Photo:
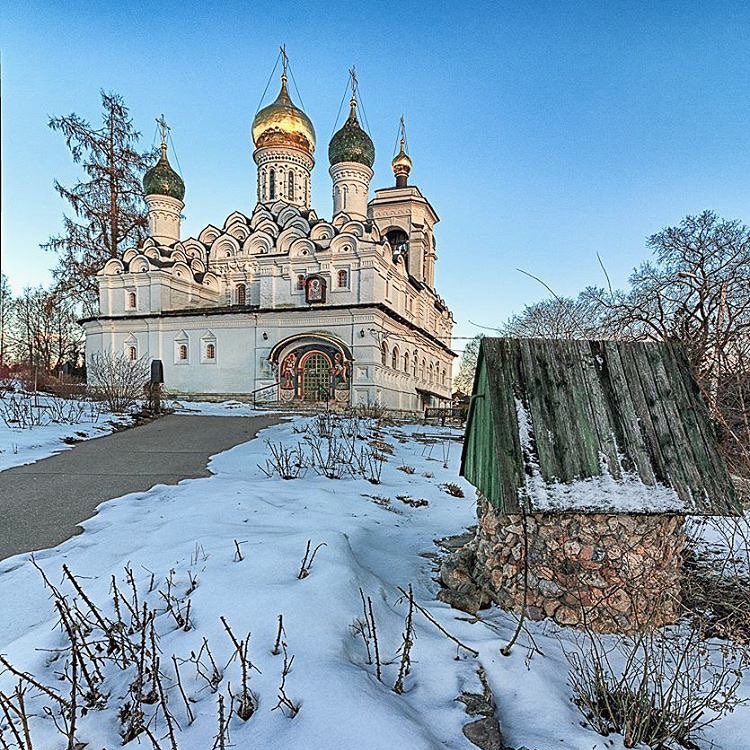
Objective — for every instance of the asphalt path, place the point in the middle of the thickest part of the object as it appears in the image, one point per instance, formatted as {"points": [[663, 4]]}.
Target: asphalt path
{"points": [[41, 504]]}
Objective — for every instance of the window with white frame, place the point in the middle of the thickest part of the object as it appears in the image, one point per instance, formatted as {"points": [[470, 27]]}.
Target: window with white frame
{"points": [[208, 348], [132, 300]]}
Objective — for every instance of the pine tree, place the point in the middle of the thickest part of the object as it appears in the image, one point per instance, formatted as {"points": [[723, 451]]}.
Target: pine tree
{"points": [[109, 212]]}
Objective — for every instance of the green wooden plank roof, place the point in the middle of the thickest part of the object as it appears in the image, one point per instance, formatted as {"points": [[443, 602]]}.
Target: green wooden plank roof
{"points": [[592, 426]]}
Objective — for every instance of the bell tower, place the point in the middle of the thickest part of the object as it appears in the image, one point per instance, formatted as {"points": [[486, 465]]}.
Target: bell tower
{"points": [[406, 217]]}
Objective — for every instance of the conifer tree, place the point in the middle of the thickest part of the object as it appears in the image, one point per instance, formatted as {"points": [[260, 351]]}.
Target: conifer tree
{"points": [[108, 209]]}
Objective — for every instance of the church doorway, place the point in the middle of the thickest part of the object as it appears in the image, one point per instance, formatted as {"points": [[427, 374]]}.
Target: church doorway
{"points": [[316, 376]]}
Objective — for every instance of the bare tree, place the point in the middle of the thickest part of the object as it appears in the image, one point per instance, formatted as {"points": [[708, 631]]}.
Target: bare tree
{"points": [[42, 330], [6, 299], [464, 381], [108, 206]]}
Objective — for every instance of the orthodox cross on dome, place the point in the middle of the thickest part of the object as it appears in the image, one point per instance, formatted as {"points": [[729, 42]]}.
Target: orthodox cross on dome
{"points": [[402, 135], [402, 163], [354, 84], [164, 130], [284, 61]]}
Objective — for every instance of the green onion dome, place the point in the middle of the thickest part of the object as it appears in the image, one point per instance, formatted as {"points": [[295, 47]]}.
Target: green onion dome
{"points": [[161, 179], [351, 143]]}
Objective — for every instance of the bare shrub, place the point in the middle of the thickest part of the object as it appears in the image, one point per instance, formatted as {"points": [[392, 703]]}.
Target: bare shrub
{"points": [[370, 410], [287, 462], [658, 688], [116, 380], [369, 464], [331, 455], [406, 469], [716, 577]]}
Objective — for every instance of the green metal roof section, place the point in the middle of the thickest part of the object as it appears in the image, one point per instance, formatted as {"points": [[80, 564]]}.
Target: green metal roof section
{"points": [[592, 426], [351, 143], [161, 179]]}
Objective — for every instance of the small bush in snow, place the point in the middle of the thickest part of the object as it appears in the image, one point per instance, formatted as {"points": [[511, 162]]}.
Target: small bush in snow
{"points": [[452, 489], [288, 462], [116, 380], [406, 469], [658, 688]]}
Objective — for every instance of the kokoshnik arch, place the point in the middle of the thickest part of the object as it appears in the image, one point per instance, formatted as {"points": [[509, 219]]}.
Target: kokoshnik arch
{"points": [[342, 310]]}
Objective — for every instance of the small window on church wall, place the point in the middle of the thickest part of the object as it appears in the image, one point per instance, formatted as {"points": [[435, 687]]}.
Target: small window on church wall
{"points": [[343, 279], [132, 300], [394, 358], [182, 352], [443, 378], [406, 362], [301, 282], [210, 351], [132, 353], [272, 184], [344, 191], [240, 294], [414, 363], [290, 188], [384, 354], [429, 374], [422, 369]]}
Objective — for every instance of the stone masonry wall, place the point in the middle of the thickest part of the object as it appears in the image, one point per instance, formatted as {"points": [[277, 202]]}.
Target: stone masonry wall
{"points": [[612, 573]]}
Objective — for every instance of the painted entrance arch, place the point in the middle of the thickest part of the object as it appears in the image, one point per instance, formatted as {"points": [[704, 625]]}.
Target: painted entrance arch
{"points": [[312, 367]]}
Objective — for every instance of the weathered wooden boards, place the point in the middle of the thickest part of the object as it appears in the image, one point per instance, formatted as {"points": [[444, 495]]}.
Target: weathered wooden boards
{"points": [[628, 410]]}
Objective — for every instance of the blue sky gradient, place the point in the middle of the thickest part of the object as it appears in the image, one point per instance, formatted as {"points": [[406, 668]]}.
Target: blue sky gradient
{"points": [[542, 132]]}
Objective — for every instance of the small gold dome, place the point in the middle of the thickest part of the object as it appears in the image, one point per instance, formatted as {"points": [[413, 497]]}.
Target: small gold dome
{"points": [[284, 124], [401, 162]]}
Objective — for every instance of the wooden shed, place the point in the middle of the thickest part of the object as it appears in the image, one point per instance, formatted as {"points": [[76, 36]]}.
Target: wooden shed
{"points": [[586, 456]]}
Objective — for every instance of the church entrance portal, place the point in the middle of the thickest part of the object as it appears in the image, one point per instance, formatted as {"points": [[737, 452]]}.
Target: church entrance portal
{"points": [[316, 377], [315, 370]]}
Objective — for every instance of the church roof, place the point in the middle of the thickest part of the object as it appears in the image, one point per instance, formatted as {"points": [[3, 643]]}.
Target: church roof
{"points": [[351, 143], [161, 179]]}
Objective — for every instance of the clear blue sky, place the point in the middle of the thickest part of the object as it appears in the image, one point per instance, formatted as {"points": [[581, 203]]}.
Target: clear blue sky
{"points": [[541, 132]]}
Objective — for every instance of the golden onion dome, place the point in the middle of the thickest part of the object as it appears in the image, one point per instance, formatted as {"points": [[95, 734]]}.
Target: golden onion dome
{"points": [[401, 162], [283, 124]]}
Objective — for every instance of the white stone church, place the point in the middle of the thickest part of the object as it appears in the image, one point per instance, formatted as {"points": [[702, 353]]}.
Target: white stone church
{"points": [[282, 305]]}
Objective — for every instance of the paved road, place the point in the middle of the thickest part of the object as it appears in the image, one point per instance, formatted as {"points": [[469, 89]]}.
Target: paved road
{"points": [[42, 503]]}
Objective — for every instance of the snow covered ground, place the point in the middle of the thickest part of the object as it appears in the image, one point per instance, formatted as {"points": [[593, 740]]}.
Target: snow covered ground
{"points": [[377, 538], [21, 445]]}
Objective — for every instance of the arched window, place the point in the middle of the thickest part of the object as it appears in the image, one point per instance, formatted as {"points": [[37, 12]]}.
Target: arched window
{"points": [[272, 184], [210, 351], [443, 377], [290, 186], [415, 364], [343, 279], [301, 281], [394, 358], [429, 373], [384, 354], [422, 369], [263, 187], [240, 294], [406, 362], [132, 353], [182, 352], [344, 191], [132, 300]]}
